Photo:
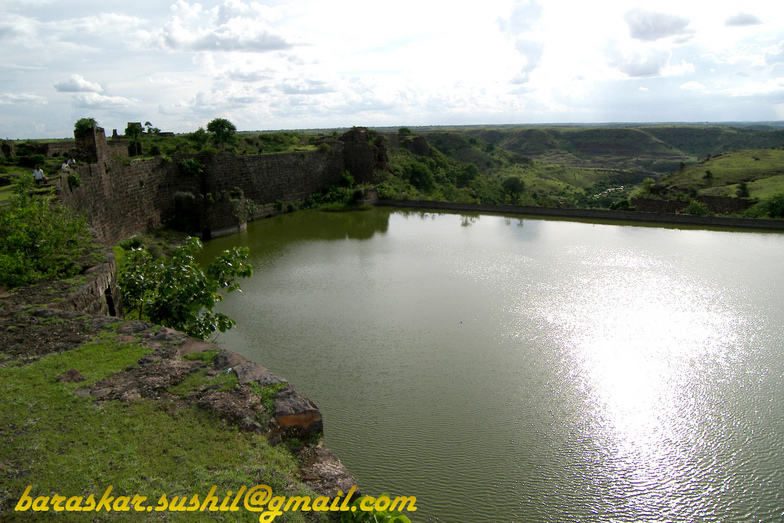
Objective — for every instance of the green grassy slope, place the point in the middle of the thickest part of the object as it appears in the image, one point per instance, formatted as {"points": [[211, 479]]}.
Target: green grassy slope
{"points": [[656, 149], [761, 169]]}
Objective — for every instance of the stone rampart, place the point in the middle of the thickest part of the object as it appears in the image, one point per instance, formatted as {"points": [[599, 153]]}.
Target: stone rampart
{"points": [[596, 214], [714, 204], [124, 197]]}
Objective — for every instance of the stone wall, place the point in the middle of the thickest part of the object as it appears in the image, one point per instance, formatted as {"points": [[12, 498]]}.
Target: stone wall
{"points": [[98, 295], [123, 197], [714, 204], [7, 149]]}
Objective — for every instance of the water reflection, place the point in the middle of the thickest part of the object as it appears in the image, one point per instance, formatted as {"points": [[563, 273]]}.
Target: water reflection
{"points": [[642, 336], [530, 370]]}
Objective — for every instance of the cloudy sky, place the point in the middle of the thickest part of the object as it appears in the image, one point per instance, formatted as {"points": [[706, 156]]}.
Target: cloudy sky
{"points": [[316, 64]]}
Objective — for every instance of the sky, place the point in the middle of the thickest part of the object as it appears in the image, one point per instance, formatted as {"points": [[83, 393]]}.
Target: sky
{"points": [[309, 64]]}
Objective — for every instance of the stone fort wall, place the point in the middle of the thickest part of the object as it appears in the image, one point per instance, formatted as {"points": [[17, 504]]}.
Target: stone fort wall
{"points": [[121, 198]]}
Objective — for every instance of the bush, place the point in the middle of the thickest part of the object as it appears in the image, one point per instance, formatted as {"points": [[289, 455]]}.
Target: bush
{"points": [[176, 292], [40, 240], [775, 206], [84, 126], [696, 208], [192, 166], [74, 180]]}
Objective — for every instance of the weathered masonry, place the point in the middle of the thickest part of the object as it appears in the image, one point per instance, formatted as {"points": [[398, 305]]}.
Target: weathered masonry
{"points": [[122, 197]]}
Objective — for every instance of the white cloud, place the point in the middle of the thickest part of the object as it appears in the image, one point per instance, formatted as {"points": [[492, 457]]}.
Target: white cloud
{"points": [[233, 26], [693, 86], [650, 26], [774, 85], [99, 101], [21, 98], [275, 64], [523, 17], [742, 19], [77, 84]]}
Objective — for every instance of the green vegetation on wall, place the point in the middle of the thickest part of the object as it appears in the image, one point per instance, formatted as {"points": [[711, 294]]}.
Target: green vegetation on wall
{"points": [[41, 239]]}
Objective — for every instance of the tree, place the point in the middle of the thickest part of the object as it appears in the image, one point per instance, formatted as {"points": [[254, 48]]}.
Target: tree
{"points": [[149, 129], [199, 137], [514, 187], [84, 126], [222, 131], [176, 292], [133, 131]]}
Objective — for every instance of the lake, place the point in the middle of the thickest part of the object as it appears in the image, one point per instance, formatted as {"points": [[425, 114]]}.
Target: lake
{"points": [[514, 369]]}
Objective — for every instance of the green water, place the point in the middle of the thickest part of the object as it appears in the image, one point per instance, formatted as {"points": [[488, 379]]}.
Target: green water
{"points": [[509, 369]]}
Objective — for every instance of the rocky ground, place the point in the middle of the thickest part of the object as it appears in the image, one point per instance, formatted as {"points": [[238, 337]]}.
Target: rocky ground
{"points": [[259, 401]]}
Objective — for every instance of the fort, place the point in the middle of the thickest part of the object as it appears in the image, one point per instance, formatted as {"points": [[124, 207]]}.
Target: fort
{"points": [[123, 196]]}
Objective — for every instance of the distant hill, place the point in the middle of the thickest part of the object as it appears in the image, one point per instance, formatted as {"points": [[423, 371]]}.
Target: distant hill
{"points": [[762, 170], [653, 149], [602, 167]]}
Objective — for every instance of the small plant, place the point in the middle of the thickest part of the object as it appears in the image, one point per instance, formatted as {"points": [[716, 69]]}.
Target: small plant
{"points": [[134, 242], [207, 356], [708, 175], [74, 180], [84, 126], [346, 180], [696, 208], [192, 166]]}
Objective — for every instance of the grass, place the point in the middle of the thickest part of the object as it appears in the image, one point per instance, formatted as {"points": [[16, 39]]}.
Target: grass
{"points": [[763, 169], [6, 192], [60, 443]]}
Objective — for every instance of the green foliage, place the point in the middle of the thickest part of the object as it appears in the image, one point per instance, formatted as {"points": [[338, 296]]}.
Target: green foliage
{"points": [[346, 180], [222, 131], [324, 148], [206, 356], [192, 166], [84, 126], [743, 190], [646, 185], [513, 186], [696, 208], [176, 292], [74, 180], [200, 137], [774, 207], [40, 240], [133, 131]]}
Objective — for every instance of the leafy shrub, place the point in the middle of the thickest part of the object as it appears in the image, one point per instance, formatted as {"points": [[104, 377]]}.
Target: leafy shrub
{"points": [[131, 243], [775, 206], [174, 291], [84, 126], [192, 166], [74, 180], [696, 208], [40, 240]]}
